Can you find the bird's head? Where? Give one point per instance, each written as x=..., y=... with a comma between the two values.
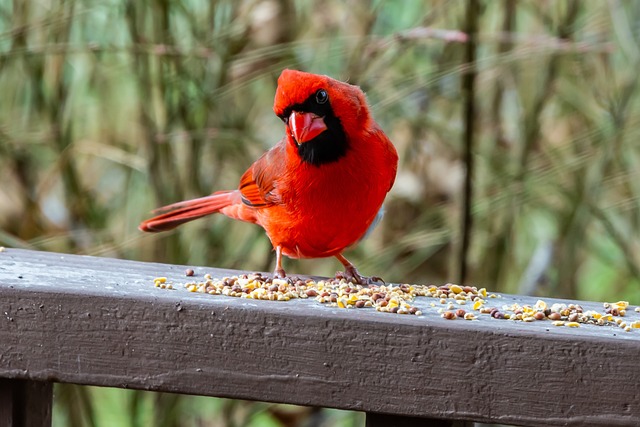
x=322, y=115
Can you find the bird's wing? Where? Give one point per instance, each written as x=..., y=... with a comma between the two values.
x=389, y=153
x=259, y=184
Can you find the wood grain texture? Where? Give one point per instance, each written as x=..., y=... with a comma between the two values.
x=100, y=321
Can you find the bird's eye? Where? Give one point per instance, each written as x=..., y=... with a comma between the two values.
x=322, y=96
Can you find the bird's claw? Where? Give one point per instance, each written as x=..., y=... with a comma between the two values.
x=279, y=273
x=351, y=274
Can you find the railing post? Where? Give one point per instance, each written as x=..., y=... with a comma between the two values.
x=386, y=420
x=25, y=403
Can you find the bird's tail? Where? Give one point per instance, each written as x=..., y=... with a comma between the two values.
x=171, y=216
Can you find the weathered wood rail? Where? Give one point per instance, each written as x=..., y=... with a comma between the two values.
x=100, y=321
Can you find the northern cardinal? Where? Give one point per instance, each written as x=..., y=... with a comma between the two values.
x=319, y=189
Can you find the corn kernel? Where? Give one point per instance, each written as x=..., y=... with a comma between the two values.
x=573, y=324
x=455, y=289
x=558, y=323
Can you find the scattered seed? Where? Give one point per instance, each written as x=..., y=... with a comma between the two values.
x=399, y=299
x=554, y=316
x=449, y=315
x=455, y=289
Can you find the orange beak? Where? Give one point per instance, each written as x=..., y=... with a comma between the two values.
x=305, y=126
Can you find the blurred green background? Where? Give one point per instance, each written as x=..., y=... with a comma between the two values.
x=111, y=108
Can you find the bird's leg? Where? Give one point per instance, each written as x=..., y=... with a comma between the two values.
x=279, y=271
x=351, y=273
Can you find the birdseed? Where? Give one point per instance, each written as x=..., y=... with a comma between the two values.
x=336, y=292
x=399, y=299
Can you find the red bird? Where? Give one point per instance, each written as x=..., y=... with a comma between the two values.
x=317, y=191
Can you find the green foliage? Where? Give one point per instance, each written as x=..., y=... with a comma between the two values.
x=112, y=108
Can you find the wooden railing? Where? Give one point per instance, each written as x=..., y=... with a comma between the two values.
x=99, y=321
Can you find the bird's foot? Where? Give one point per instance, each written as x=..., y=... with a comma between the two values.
x=351, y=274
x=279, y=273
